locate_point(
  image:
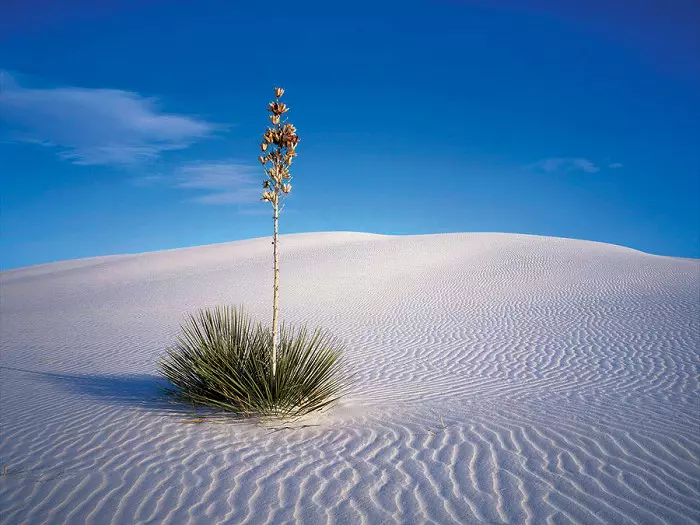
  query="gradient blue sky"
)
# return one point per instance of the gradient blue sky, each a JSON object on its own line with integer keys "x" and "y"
{"x": 132, "y": 126}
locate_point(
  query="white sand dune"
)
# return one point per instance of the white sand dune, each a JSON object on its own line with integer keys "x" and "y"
{"x": 502, "y": 379}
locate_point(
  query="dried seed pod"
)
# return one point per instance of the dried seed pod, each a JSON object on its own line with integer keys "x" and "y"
{"x": 279, "y": 92}
{"x": 274, "y": 174}
{"x": 277, "y": 108}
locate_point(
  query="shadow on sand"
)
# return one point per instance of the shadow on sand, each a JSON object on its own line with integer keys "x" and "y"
{"x": 145, "y": 391}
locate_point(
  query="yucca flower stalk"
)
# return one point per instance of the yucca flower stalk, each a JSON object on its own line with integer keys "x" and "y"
{"x": 278, "y": 148}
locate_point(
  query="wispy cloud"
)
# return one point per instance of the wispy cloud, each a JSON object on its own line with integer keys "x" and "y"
{"x": 561, "y": 164}
{"x": 96, "y": 126}
{"x": 616, "y": 165}
{"x": 220, "y": 182}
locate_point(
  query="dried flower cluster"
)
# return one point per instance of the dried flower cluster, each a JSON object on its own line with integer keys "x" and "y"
{"x": 278, "y": 146}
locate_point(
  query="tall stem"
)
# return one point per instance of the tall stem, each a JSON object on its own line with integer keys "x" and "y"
{"x": 275, "y": 295}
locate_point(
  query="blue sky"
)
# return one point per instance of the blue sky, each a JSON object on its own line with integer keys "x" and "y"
{"x": 134, "y": 126}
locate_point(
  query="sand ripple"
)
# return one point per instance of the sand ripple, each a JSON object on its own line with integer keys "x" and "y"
{"x": 502, "y": 379}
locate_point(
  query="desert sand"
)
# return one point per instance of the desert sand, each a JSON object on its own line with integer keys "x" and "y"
{"x": 501, "y": 379}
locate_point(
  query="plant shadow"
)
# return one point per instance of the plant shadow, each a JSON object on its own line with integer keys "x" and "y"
{"x": 146, "y": 391}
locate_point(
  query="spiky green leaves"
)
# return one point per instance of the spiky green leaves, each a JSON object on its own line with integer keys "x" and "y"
{"x": 222, "y": 359}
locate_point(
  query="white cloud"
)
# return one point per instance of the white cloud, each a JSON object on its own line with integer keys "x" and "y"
{"x": 559, "y": 164}
{"x": 96, "y": 126}
{"x": 221, "y": 182}
{"x": 616, "y": 165}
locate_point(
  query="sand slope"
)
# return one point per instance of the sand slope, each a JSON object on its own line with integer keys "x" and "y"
{"x": 502, "y": 379}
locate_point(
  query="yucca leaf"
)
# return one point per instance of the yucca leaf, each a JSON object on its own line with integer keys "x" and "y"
{"x": 222, "y": 359}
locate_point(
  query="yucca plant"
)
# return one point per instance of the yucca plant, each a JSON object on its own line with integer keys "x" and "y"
{"x": 224, "y": 360}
